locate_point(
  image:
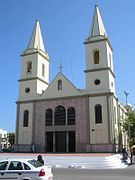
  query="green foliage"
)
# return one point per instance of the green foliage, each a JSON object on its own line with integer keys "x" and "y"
{"x": 11, "y": 138}
{"x": 129, "y": 126}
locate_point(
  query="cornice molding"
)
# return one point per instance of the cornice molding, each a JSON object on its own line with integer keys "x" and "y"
{"x": 87, "y": 95}
{"x": 100, "y": 69}
{"x": 34, "y": 78}
{"x": 36, "y": 51}
{"x": 90, "y": 41}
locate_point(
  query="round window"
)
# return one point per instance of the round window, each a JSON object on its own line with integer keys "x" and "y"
{"x": 97, "y": 82}
{"x": 27, "y": 90}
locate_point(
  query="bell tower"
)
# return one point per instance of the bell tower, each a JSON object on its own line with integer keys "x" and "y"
{"x": 34, "y": 77}
{"x": 99, "y": 61}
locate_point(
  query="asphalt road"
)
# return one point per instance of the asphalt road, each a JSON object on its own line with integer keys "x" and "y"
{"x": 85, "y": 174}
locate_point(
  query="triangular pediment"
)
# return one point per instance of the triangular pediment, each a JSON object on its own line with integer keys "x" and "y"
{"x": 60, "y": 87}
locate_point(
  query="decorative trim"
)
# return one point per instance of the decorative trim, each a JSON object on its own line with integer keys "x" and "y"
{"x": 17, "y": 123}
{"x": 25, "y": 53}
{"x": 64, "y": 98}
{"x": 101, "y": 69}
{"x": 33, "y": 78}
{"x": 33, "y": 123}
{"x": 108, "y": 117}
{"x": 58, "y": 128}
{"x": 88, "y": 117}
{"x": 89, "y": 41}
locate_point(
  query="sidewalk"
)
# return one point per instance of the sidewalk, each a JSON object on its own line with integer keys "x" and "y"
{"x": 75, "y": 160}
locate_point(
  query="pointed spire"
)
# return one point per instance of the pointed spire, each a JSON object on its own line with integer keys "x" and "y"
{"x": 97, "y": 28}
{"x": 36, "y": 41}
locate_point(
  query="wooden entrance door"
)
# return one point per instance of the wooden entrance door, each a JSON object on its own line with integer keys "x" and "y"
{"x": 60, "y": 141}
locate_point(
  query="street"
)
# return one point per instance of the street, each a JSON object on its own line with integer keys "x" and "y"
{"x": 94, "y": 174}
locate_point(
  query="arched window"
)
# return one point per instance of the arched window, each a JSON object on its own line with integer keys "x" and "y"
{"x": 29, "y": 67}
{"x": 43, "y": 70}
{"x": 59, "y": 85}
{"x": 71, "y": 116}
{"x": 98, "y": 113}
{"x": 26, "y": 118}
{"x": 48, "y": 117}
{"x": 60, "y": 115}
{"x": 96, "y": 57}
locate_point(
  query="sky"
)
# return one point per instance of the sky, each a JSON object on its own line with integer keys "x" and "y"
{"x": 65, "y": 25}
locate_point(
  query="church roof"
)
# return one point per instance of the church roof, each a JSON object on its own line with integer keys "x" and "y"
{"x": 97, "y": 28}
{"x": 67, "y": 88}
{"x": 36, "y": 41}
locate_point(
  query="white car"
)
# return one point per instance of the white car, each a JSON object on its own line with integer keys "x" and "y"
{"x": 24, "y": 169}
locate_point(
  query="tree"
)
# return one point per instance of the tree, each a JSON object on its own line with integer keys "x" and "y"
{"x": 11, "y": 138}
{"x": 128, "y": 125}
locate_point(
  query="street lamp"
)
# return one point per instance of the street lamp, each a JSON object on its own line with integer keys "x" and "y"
{"x": 126, "y": 94}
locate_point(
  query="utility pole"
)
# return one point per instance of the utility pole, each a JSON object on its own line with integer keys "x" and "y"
{"x": 126, "y": 94}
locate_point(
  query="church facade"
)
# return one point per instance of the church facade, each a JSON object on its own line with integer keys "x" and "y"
{"x": 57, "y": 116}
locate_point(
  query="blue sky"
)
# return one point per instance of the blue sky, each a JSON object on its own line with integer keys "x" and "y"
{"x": 65, "y": 24}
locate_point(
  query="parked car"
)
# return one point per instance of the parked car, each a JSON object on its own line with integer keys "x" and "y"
{"x": 24, "y": 169}
{"x": 6, "y": 150}
{"x": 1, "y": 150}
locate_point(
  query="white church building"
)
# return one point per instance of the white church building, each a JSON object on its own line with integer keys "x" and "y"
{"x": 59, "y": 117}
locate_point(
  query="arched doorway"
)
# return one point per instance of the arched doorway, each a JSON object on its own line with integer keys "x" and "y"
{"x": 60, "y": 129}
{"x": 60, "y": 141}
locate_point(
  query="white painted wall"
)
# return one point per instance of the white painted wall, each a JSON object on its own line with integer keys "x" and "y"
{"x": 100, "y": 133}
{"x": 34, "y": 79}
{"x": 25, "y": 133}
{"x": 104, "y": 49}
{"x": 68, "y": 89}
{"x": 96, "y": 71}
{"x": 106, "y": 79}
{"x": 37, "y": 61}
{"x": 41, "y": 61}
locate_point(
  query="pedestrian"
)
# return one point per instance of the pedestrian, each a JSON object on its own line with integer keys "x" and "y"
{"x": 33, "y": 148}
{"x": 131, "y": 155}
{"x": 124, "y": 154}
{"x": 40, "y": 159}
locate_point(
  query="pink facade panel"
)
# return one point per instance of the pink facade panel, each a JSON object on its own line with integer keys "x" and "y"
{"x": 81, "y": 125}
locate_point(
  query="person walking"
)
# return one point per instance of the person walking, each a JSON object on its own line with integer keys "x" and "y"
{"x": 33, "y": 148}
{"x": 124, "y": 154}
{"x": 40, "y": 159}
